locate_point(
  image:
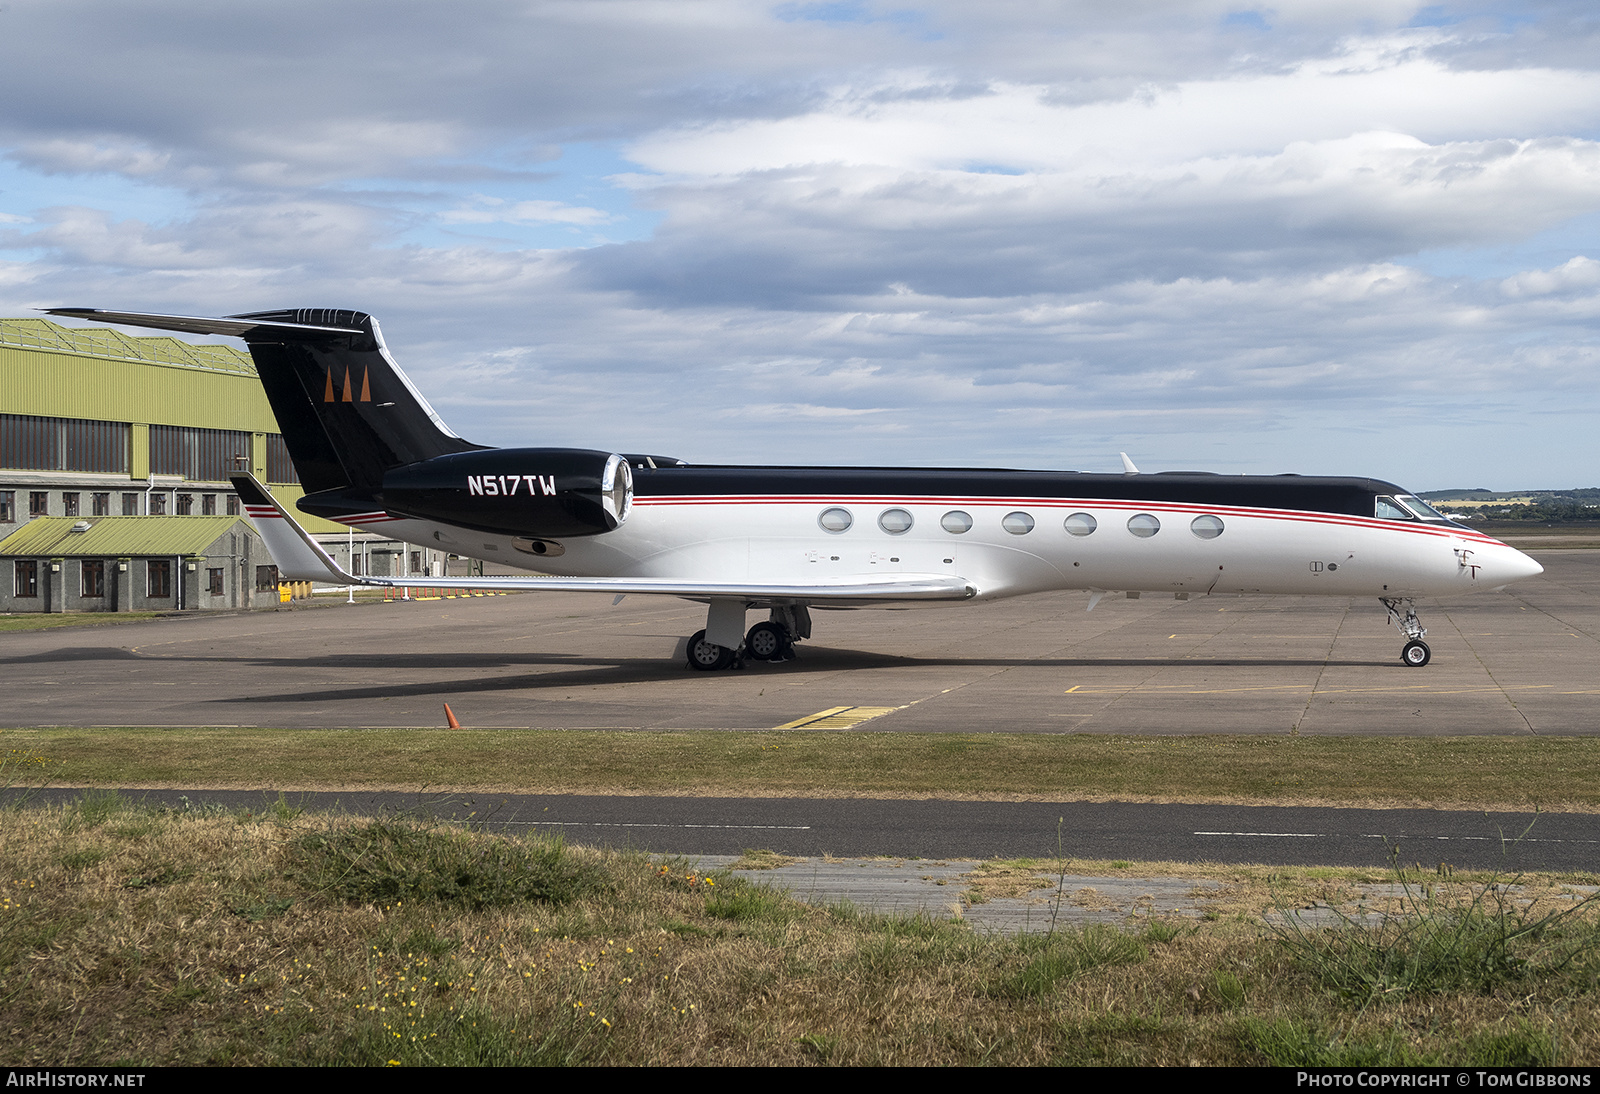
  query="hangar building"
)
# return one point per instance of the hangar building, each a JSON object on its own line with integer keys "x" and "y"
{"x": 115, "y": 452}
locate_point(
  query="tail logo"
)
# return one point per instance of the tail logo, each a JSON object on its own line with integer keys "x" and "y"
{"x": 348, "y": 396}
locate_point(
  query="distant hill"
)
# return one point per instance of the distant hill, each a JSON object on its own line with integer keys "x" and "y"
{"x": 1544, "y": 506}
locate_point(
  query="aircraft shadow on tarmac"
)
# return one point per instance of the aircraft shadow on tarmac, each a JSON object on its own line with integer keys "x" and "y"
{"x": 592, "y": 671}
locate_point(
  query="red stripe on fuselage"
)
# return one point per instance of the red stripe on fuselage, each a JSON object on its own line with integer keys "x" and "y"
{"x": 1297, "y": 515}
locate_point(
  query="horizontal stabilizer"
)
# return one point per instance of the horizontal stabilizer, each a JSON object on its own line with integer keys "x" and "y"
{"x": 301, "y": 558}
{"x": 238, "y": 326}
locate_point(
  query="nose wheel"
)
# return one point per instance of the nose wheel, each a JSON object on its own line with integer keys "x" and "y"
{"x": 1403, "y": 614}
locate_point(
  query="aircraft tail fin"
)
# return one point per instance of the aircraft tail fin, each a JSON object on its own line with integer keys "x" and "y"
{"x": 346, "y": 410}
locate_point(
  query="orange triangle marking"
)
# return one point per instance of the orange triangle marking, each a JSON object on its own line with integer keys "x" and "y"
{"x": 366, "y": 392}
{"x": 327, "y": 396}
{"x": 348, "y": 397}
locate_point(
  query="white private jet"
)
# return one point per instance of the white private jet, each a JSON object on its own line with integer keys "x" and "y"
{"x": 371, "y": 453}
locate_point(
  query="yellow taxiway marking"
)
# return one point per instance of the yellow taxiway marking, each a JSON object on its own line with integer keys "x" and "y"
{"x": 839, "y": 718}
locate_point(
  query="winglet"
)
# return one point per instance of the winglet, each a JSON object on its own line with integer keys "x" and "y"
{"x": 299, "y": 557}
{"x": 1127, "y": 465}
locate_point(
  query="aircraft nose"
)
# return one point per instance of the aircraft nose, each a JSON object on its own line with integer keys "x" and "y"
{"x": 1517, "y": 566}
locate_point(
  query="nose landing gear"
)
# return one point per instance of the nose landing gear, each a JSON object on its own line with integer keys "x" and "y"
{"x": 1403, "y": 614}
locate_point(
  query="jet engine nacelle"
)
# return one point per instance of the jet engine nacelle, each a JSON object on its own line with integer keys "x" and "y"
{"x": 537, "y": 493}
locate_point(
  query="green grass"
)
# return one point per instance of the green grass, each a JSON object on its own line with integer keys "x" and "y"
{"x": 1502, "y": 773}
{"x": 386, "y": 862}
{"x": 43, "y": 621}
{"x": 134, "y": 936}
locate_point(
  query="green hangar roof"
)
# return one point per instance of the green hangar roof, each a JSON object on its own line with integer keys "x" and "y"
{"x": 95, "y": 373}
{"x": 116, "y": 537}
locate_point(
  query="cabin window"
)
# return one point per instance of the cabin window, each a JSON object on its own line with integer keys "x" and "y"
{"x": 1386, "y": 509}
{"x": 1018, "y": 524}
{"x": 897, "y": 522}
{"x": 1082, "y": 524}
{"x": 1143, "y": 525}
{"x": 836, "y": 520}
{"x": 956, "y": 522}
{"x": 1206, "y": 527}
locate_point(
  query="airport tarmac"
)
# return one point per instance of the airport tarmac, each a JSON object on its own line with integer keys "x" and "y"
{"x": 1526, "y": 660}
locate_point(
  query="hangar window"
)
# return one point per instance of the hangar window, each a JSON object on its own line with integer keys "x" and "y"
{"x": 1018, "y": 524}
{"x": 1206, "y": 527}
{"x": 836, "y": 520}
{"x": 39, "y": 503}
{"x": 233, "y": 505}
{"x": 267, "y": 578}
{"x": 130, "y": 505}
{"x": 94, "y": 577}
{"x": 897, "y": 522}
{"x": 1082, "y": 524}
{"x": 208, "y": 505}
{"x": 214, "y": 580}
{"x": 8, "y": 506}
{"x": 102, "y": 504}
{"x": 185, "y": 505}
{"x": 69, "y": 504}
{"x": 158, "y": 579}
{"x": 956, "y": 522}
{"x": 27, "y": 577}
{"x": 1143, "y": 525}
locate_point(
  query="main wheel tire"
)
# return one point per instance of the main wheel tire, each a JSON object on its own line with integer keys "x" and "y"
{"x": 708, "y": 656}
{"x": 766, "y": 642}
{"x": 1416, "y": 654}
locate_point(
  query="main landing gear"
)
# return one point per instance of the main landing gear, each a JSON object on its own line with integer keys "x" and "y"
{"x": 1403, "y": 614}
{"x": 770, "y": 641}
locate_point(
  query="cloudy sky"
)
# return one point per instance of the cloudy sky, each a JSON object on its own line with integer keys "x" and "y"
{"x": 1325, "y": 236}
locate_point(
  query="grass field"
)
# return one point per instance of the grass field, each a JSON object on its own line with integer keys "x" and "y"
{"x": 134, "y": 936}
{"x": 44, "y": 621}
{"x": 1497, "y": 773}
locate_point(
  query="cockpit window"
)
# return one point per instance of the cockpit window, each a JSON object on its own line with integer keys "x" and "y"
{"x": 1385, "y": 508}
{"x": 1419, "y": 508}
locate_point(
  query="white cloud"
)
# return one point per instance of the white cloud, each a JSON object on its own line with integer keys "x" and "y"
{"x": 1015, "y": 232}
{"x": 490, "y": 210}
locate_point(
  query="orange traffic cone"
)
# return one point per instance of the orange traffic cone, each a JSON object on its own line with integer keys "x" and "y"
{"x": 450, "y": 717}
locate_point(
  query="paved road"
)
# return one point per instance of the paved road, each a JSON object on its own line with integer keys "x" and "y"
{"x": 1519, "y": 662}
{"x": 987, "y": 830}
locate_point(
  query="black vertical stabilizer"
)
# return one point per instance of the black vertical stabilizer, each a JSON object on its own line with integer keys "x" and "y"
{"x": 347, "y": 412}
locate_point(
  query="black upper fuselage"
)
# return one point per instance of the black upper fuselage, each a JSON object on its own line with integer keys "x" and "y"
{"x": 1349, "y": 496}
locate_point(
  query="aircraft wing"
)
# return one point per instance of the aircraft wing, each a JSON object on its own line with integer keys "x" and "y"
{"x": 301, "y": 558}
